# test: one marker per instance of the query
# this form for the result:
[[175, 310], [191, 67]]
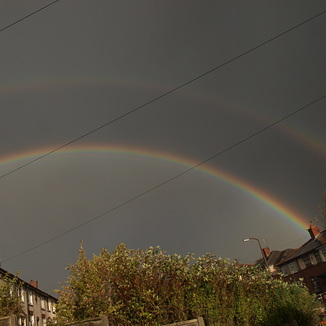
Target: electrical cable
[[269, 126], [29, 15], [162, 95]]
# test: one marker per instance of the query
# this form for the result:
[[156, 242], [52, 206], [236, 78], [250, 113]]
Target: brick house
[[38, 306], [273, 258], [308, 262]]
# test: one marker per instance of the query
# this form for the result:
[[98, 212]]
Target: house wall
[[314, 277], [8, 321], [38, 307]]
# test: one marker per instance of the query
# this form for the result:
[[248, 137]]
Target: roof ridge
[[11, 275], [293, 253]]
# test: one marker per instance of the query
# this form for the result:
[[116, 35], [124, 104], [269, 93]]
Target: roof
[[3, 272], [311, 245], [276, 256]]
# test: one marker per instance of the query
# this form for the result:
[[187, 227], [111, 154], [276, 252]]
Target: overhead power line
[[160, 96], [269, 126], [27, 16]]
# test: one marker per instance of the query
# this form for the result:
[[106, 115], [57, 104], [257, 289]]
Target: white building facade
[[38, 306]]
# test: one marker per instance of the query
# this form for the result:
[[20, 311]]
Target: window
[[22, 295], [301, 263], [307, 261], [51, 306], [21, 321], [322, 253], [30, 297], [43, 303], [316, 284], [293, 267], [31, 320], [284, 270], [313, 259]]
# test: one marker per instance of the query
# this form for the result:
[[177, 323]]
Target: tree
[[10, 303], [136, 287], [130, 286]]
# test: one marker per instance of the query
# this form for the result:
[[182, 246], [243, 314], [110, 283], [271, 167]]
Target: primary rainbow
[[277, 205]]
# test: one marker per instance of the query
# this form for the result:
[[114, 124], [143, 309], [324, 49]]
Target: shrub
[[136, 287]]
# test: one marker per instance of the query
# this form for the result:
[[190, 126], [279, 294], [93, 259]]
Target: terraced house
[[308, 262], [38, 306]]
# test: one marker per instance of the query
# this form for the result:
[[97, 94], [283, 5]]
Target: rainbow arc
[[256, 193]]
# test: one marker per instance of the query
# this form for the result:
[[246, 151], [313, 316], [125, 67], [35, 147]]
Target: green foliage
[[10, 303], [136, 287], [291, 301]]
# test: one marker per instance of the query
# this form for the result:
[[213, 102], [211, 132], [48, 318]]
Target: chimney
[[34, 283], [313, 231], [266, 252]]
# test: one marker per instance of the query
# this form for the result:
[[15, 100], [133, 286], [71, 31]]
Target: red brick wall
[[307, 273]]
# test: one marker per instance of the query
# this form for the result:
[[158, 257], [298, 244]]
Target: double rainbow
[[59, 84]]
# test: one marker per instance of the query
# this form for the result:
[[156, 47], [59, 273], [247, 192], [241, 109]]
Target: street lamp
[[261, 249]]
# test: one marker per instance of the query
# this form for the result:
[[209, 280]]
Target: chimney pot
[[313, 231], [266, 252], [34, 283]]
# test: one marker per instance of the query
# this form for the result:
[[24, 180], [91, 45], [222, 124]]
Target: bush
[[136, 287]]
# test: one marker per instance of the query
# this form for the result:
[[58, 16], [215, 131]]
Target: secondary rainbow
[[57, 84], [276, 204]]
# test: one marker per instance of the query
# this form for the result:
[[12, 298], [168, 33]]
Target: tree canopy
[[136, 287], [10, 303]]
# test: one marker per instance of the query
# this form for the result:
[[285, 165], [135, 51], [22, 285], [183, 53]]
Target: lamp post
[[260, 247]]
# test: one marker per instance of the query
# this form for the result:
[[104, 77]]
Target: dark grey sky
[[80, 64]]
